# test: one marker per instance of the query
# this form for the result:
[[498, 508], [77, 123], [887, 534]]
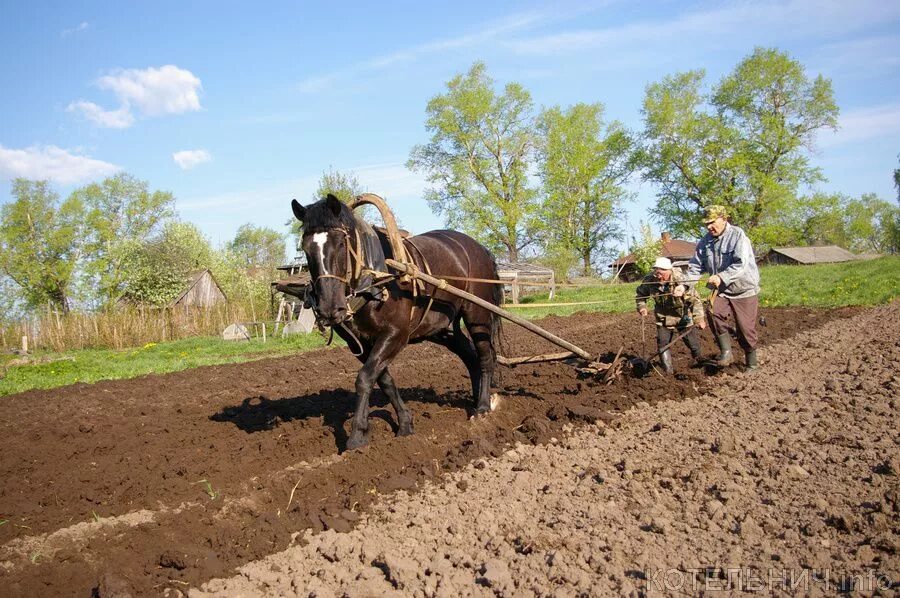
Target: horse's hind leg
[[404, 417], [479, 323]]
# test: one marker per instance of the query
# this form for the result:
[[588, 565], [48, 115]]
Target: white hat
[[663, 263]]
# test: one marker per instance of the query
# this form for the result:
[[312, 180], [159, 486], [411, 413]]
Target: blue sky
[[238, 107]]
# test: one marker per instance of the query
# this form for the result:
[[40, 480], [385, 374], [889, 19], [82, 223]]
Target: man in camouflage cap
[[726, 254]]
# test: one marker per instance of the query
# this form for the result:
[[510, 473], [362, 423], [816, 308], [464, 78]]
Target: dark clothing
[[670, 311], [665, 335], [744, 312]]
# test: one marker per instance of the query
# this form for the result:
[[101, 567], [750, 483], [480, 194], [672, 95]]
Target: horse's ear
[[333, 204], [299, 211]]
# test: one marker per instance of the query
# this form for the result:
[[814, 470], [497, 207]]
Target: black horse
[[378, 316]]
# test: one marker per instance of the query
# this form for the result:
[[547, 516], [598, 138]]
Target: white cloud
[[52, 163], [110, 119], [863, 124], [155, 91], [80, 27], [152, 91], [188, 159]]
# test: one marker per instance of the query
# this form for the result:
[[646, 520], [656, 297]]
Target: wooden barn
[[680, 252], [200, 290], [826, 254], [521, 275]]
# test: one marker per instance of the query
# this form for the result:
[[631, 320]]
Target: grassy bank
[[49, 370], [828, 285]]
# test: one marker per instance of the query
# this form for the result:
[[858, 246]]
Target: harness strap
[[416, 280]]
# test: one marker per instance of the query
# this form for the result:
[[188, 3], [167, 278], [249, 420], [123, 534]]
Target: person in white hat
[[676, 307]]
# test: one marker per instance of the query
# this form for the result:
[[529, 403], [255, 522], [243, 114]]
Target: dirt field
[[160, 484]]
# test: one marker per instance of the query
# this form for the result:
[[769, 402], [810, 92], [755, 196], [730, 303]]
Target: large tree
[[41, 243], [865, 225], [584, 164], [257, 249], [158, 269], [121, 212], [478, 158], [743, 144]]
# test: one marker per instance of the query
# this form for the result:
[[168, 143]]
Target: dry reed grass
[[120, 328]]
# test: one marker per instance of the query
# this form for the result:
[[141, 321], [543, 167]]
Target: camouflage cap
[[713, 212]]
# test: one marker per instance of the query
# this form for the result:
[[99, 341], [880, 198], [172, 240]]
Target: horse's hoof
[[405, 430], [354, 443]]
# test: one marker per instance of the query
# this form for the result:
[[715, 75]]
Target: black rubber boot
[[666, 359], [751, 360], [724, 358]]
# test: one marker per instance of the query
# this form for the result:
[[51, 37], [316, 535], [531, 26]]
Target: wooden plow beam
[[592, 367]]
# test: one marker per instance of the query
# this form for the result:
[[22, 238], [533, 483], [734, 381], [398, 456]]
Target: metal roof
[[816, 255]]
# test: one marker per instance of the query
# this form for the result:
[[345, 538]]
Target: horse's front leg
[[382, 353], [404, 416]]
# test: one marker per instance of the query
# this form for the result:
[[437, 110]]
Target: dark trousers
[[665, 335], [744, 311]]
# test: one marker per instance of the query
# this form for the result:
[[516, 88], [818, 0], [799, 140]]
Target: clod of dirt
[[113, 585], [172, 560], [495, 574], [535, 429]]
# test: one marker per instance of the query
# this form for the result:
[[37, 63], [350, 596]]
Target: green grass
[[827, 285], [93, 365], [831, 285]]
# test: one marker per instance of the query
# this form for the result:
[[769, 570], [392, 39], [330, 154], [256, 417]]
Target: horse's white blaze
[[320, 239]]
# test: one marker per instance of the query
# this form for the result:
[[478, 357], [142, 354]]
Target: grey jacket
[[730, 255]]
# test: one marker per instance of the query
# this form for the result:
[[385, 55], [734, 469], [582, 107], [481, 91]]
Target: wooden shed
[[200, 290], [522, 274], [680, 252], [826, 254]]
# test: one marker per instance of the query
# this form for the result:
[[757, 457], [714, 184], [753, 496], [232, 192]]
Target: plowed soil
[[161, 483]]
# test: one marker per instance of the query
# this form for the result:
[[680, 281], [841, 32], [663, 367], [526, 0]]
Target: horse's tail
[[496, 320]]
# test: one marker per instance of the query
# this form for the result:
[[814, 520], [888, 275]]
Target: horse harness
[[355, 260]]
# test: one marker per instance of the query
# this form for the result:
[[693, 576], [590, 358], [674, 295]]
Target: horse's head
[[329, 235]]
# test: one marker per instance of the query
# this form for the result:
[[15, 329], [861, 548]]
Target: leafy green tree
[[41, 243], [872, 225], [646, 249], [121, 211], [743, 144], [157, 270], [584, 164], [258, 248], [477, 160], [897, 182], [688, 152], [867, 224]]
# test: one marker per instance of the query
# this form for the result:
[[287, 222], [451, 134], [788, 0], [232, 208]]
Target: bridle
[[354, 270]]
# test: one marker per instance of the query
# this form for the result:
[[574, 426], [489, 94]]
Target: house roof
[[191, 280], [674, 249], [816, 255]]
